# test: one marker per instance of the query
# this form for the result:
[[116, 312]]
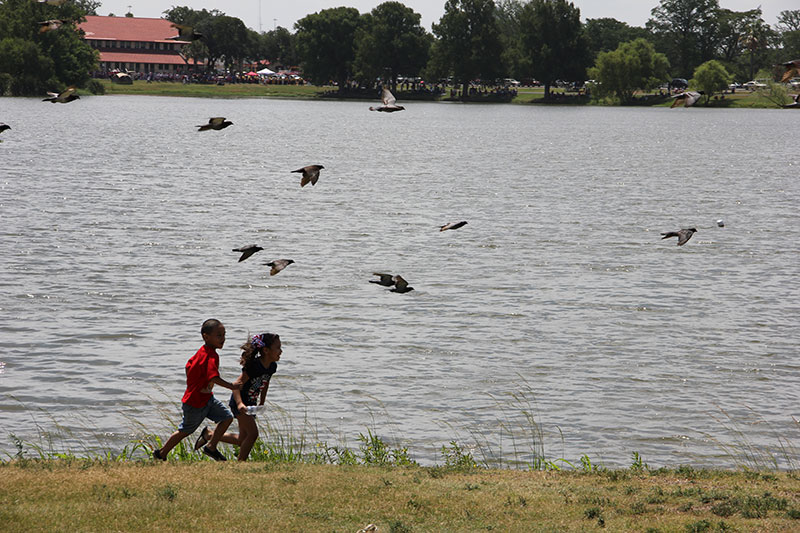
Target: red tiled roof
[[129, 29], [128, 57]]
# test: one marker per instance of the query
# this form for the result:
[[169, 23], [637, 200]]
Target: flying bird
[[792, 70], [278, 265], [4, 127], [686, 98], [386, 279], [52, 2], [51, 25], [68, 95], [401, 285], [683, 235], [453, 225], [215, 123], [310, 174], [247, 251], [185, 33], [389, 103]]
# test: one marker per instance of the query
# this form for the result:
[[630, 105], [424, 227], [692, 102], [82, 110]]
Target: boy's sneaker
[[214, 454], [204, 437], [157, 455]]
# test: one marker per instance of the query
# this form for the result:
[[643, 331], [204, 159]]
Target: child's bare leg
[[248, 433], [219, 432], [230, 438], [172, 441]]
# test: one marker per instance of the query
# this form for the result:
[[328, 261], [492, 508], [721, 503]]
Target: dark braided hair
[[252, 347]]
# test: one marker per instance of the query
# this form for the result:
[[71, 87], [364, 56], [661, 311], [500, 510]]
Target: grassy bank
[[526, 95], [86, 495], [229, 90]]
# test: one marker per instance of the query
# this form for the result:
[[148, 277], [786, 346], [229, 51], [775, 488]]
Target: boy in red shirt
[[199, 403]]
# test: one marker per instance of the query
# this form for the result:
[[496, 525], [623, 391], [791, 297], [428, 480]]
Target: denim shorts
[[194, 416]]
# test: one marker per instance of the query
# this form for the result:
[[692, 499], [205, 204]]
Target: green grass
[[229, 90], [525, 95], [133, 496], [295, 481]]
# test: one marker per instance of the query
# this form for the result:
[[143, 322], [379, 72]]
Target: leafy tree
[[31, 71], [44, 61], [469, 41], [227, 39], [632, 66], [278, 46], [606, 34], [88, 7], [733, 25], [687, 30], [757, 39], [791, 45], [553, 38], [391, 41], [710, 77], [788, 20], [513, 59], [199, 20], [326, 44]]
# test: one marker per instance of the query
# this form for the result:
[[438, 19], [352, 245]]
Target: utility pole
[[259, 16]]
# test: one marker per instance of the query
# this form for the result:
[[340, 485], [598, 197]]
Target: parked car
[[679, 83], [752, 85]]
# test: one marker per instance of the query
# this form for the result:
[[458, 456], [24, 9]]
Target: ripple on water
[[559, 289]]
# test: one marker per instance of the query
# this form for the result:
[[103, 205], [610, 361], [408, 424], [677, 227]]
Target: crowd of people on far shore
[[206, 77]]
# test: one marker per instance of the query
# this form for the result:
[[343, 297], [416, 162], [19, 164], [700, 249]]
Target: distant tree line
[[495, 39], [484, 40]]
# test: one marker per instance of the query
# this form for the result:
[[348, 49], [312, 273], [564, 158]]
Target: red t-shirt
[[200, 369]]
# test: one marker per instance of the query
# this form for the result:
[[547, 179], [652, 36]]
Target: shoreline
[[525, 95], [149, 496]]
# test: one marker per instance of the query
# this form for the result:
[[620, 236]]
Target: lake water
[[557, 301]]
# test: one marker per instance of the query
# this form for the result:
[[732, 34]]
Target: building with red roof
[[135, 44]]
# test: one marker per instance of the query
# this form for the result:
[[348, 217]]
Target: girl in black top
[[260, 356]]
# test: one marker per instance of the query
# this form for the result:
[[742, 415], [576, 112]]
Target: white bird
[[389, 103]]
